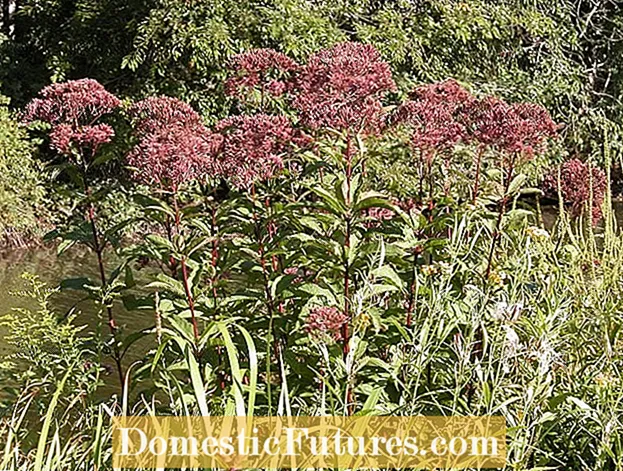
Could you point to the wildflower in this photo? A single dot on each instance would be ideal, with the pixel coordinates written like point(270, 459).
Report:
point(342, 88)
point(326, 321)
point(76, 102)
point(512, 342)
point(505, 312)
point(174, 145)
point(295, 271)
point(604, 380)
point(520, 128)
point(444, 268)
point(437, 268)
point(63, 136)
point(377, 216)
point(253, 147)
point(171, 157)
point(156, 114)
point(408, 204)
point(434, 114)
point(253, 68)
point(580, 184)
point(72, 108)
point(495, 278)
point(547, 356)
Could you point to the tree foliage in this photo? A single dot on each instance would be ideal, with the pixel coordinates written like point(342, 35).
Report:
point(21, 191)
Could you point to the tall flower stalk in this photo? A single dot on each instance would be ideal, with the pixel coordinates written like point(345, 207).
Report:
point(73, 110)
point(253, 151)
point(341, 89)
point(515, 132)
point(174, 149)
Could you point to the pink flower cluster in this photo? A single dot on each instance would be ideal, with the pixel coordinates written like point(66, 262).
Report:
point(512, 128)
point(326, 321)
point(443, 114)
point(434, 114)
point(77, 102)
point(73, 108)
point(259, 67)
point(376, 216)
point(301, 274)
point(63, 136)
point(577, 181)
point(342, 88)
point(253, 147)
point(174, 146)
point(156, 114)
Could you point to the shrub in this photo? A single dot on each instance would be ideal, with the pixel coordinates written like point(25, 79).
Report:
point(21, 189)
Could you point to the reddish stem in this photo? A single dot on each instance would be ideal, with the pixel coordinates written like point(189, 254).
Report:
point(99, 250)
point(187, 291)
point(479, 153)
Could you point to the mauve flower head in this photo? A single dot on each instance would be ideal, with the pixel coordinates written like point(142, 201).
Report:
point(435, 116)
point(157, 113)
point(76, 102)
point(253, 147)
point(299, 272)
point(326, 321)
point(64, 136)
point(264, 68)
point(171, 157)
point(174, 145)
point(342, 87)
point(577, 181)
point(375, 217)
point(511, 128)
point(449, 94)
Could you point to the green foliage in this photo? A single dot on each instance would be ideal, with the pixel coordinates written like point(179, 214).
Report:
point(44, 345)
point(21, 189)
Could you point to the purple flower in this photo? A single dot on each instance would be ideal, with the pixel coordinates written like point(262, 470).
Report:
point(511, 128)
point(342, 88)
point(577, 181)
point(265, 68)
point(63, 136)
point(434, 115)
point(253, 147)
point(73, 108)
point(175, 147)
point(77, 102)
point(159, 113)
point(326, 321)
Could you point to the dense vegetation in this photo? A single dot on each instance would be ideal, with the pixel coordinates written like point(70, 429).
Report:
point(21, 190)
point(324, 225)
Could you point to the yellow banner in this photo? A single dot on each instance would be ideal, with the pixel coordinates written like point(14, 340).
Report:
point(309, 442)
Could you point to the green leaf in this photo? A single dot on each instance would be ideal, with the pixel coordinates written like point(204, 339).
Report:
point(331, 202)
point(516, 184)
point(79, 284)
point(45, 429)
point(197, 382)
point(232, 354)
